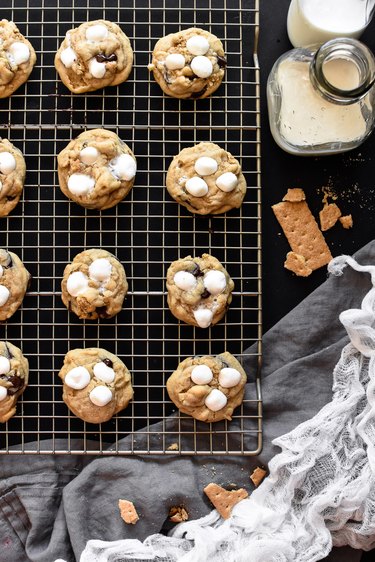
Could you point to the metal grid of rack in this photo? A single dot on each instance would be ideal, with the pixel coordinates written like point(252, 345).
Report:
point(146, 231)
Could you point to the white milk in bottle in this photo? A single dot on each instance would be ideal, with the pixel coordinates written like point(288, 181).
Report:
point(312, 22)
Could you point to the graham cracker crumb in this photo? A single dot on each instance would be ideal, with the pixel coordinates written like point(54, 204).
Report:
point(173, 447)
point(177, 514)
point(329, 216)
point(128, 512)
point(257, 475)
point(295, 195)
point(297, 264)
point(346, 221)
point(224, 500)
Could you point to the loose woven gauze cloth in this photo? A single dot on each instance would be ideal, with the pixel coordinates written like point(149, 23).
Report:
point(321, 488)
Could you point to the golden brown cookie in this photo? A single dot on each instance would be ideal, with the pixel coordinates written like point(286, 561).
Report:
point(97, 169)
point(12, 176)
point(208, 388)
point(17, 58)
point(199, 290)
point(97, 384)
point(94, 55)
point(14, 376)
point(189, 63)
point(94, 285)
point(206, 179)
point(14, 282)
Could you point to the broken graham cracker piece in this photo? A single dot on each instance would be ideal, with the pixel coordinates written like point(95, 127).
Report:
point(178, 514)
point(294, 195)
point(257, 475)
point(224, 500)
point(329, 216)
point(128, 512)
point(302, 233)
point(346, 221)
point(297, 263)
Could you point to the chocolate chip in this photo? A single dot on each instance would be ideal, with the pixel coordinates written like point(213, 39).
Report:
point(101, 57)
point(205, 294)
point(198, 94)
point(221, 61)
point(108, 362)
point(197, 272)
point(102, 312)
point(16, 382)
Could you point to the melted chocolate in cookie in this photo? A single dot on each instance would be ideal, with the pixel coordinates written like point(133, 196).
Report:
point(101, 57)
point(16, 382)
point(221, 61)
point(205, 294)
point(108, 362)
point(197, 272)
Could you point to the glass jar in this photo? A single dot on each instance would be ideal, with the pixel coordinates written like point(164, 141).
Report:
point(312, 22)
point(322, 101)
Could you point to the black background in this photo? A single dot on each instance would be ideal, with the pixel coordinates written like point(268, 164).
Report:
point(351, 175)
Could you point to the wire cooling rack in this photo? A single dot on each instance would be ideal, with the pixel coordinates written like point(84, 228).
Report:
point(146, 231)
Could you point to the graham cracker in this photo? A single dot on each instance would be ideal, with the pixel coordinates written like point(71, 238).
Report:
point(297, 263)
point(224, 500)
point(346, 221)
point(128, 511)
point(302, 232)
point(329, 216)
point(257, 475)
point(294, 195)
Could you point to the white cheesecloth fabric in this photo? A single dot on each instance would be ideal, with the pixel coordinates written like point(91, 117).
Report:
point(320, 491)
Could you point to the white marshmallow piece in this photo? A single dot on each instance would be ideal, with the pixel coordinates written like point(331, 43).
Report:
point(205, 166)
point(77, 378)
point(175, 61)
point(216, 400)
point(97, 69)
point(88, 155)
point(123, 167)
point(229, 377)
point(196, 186)
point(197, 45)
point(201, 374)
point(19, 52)
point(100, 395)
point(215, 282)
point(104, 373)
point(3, 393)
point(68, 57)
point(4, 365)
point(1, 270)
point(185, 280)
point(96, 33)
point(100, 270)
point(227, 181)
point(77, 283)
point(4, 295)
point(202, 66)
point(7, 163)
point(80, 184)
point(203, 317)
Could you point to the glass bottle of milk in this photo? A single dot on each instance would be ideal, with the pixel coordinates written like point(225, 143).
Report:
point(312, 22)
point(323, 101)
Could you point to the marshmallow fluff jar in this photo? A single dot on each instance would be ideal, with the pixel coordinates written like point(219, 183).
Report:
point(334, 110)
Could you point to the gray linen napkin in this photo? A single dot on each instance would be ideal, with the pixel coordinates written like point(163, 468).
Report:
point(51, 506)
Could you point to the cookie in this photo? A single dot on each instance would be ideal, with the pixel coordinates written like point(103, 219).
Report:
point(17, 58)
point(94, 285)
point(97, 169)
point(199, 290)
point(206, 179)
point(14, 282)
point(14, 376)
point(96, 384)
point(94, 55)
point(12, 176)
point(208, 388)
point(189, 63)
